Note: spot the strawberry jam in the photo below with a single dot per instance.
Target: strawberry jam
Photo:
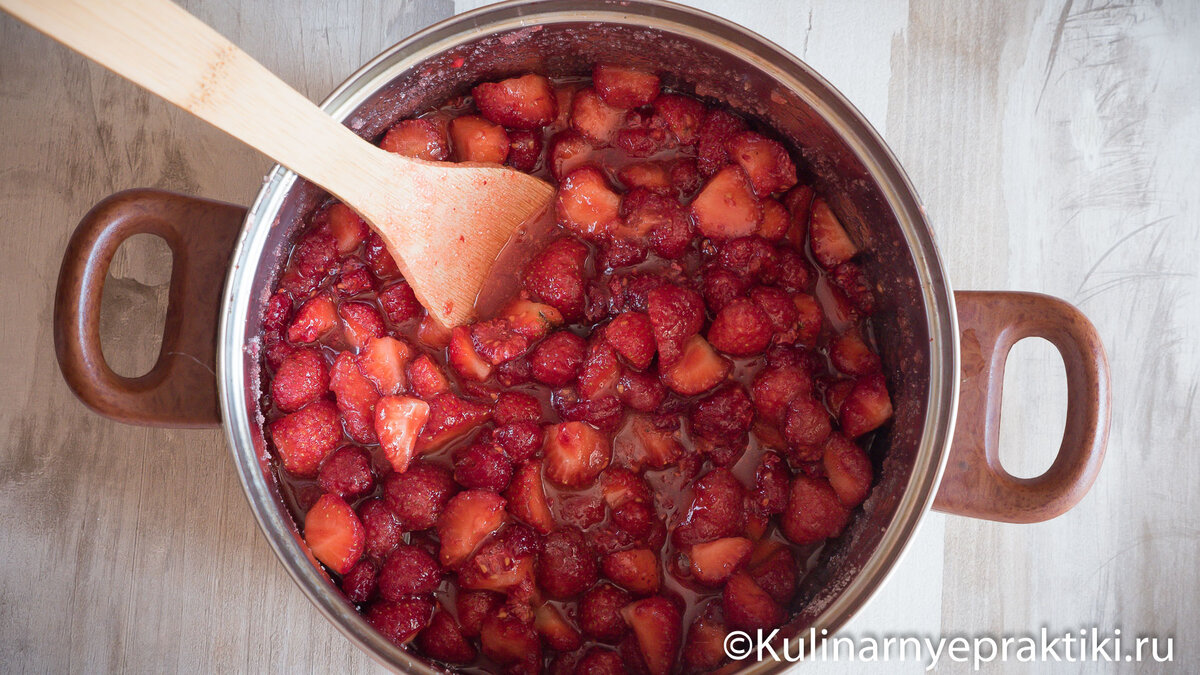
(647, 442)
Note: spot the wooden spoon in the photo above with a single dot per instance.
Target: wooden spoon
(444, 223)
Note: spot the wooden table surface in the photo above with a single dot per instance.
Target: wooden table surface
(1055, 145)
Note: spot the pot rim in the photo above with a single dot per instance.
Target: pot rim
(785, 68)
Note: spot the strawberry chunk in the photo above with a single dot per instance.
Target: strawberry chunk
(408, 570)
(305, 437)
(600, 372)
(418, 496)
(398, 422)
(511, 642)
(748, 607)
(419, 138)
(554, 629)
(806, 424)
(740, 329)
(556, 276)
(637, 570)
(624, 87)
(432, 334)
(399, 302)
(724, 415)
(500, 566)
(524, 150)
(478, 140)
(427, 377)
(346, 472)
(641, 391)
(381, 527)
(726, 207)
(656, 448)
(575, 454)
(301, 379)
(765, 161)
(705, 646)
(450, 417)
(773, 568)
(349, 231)
(473, 607)
(657, 625)
(848, 469)
(400, 621)
(713, 562)
(632, 335)
(379, 259)
(360, 323)
(464, 358)
(676, 314)
(533, 320)
(775, 221)
(567, 564)
(525, 102)
(852, 356)
(698, 368)
(651, 176)
(809, 318)
(683, 116)
(866, 407)
(333, 533)
(482, 465)
(515, 406)
(315, 319)
(594, 118)
(771, 483)
(527, 497)
(382, 361)
(717, 510)
(356, 398)
(720, 287)
(831, 246)
(599, 615)
(852, 280)
(557, 360)
(469, 517)
(814, 511)
(586, 203)
(443, 640)
(716, 130)
(360, 582)
(354, 279)
(497, 341)
(568, 149)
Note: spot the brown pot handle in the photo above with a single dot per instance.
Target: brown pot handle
(974, 483)
(181, 389)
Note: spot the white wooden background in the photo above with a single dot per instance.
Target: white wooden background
(1055, 144)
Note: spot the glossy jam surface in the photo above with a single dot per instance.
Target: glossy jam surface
(646, 441)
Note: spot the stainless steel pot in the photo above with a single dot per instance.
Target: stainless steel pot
(920, 330)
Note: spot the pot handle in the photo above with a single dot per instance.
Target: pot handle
(181, 389)
(974, 483)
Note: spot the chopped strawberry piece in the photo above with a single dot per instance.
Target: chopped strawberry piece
(600, 372)
(683, 116)
(775, 387)
(632, 335)
(773, 568)
(519, 440)
(775, 221)
(525, 102)
(468, 518)
(724, 415)
(715, 561)
(379, 259)
(527, 498)
(450, 417)
(464, 358)
(685, 176)
(348, 230)
(831, 246)
(279, 308)
(726, 208)
(346, 472)
(509, 641)
(586, 203)
(651, 176)
(531, 319)
(852, 356)
(419, 138)
(400, 621)
(698, 369)
(771, 483)
(657, 625)
(809, 318)
(354, 279)
(515, 406)
(301, 379)
(849, 470)
(740, 329)
(852, 280)
(398, 422)
(624, 87)
(813, 512)
(778, 307)
(599, 615)
(656, 448)
(866, 407)
(556, 276)
(554, 629)
(619, 252)
(497, 341)
(557, 360)
(399, 302)
(575, 454)
(676, 314)
(383, 532)
(704, 649)
(408, 570)
(641, 391)
(643, 136)
(720, 287)
(356, 398)
(482, 465)
(806, 423)
(333, 533)
(765, 161)
(524, 150)
(567, 564)
(716, 130)
(427, 377)
(305, 437)
(314, 320)
(748, 607)
(473, 607)
(444, 640)
(750, 258)
(717, 510)
(418, 495)
(360, 323)
(637, 570)
(836, 393)
(360, 582)
(568, 149)
(478, 140)
(594, 118)
(497, 567)
(382, 361)
(314, 255)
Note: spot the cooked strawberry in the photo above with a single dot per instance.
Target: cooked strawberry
(740, 329)
(497, 341)
(771, 483)
(676, 314)
(519, 440)
(792, 271)
(464, 358)
(383, 531)
(777, 305)
(568, 149)
(354, 279)
(382, 361)
(682, 114)
(450, 417)
(726, 208)
(720, 287)
(314, 320)
(301, 379)
(556, 276)
(643, 135)
(618, 252)
(510, 642)
(713, 562)
(765, 161)
(356, 398)
(637, 570)
(704, 649)
(685, 177)
(527, 498)
(468, 518)
(748, 607)
(751, 258)
(656, 448)
(419, 495)
(657, 625)
(400, 621)
(836, 393)
(399, 302)
(594, 118)
(640, 391)
(473, 607)
(717, 510)
(497, 567)
(715, 131)
(806, 424)
(724, 415)
(809, 318)
(419, 138)
(444, 640)
(852, 356)
(852, 280)
(652, 176)
(477, 140)
(531, 319)
(698, 368)
(586, 203)
(333, 533)
(575, 454)
(600, 372)
(398, 422)
(279, 308)
(866, 407)
(482, 465)
(360, 323)
(831, 246)
(671, 237)
(524, 150)
(305, 437)
(798, 201)
(360, 582)
(379, 259)
(624, 87)
(813, 512)
(348, 230)
(557, 360)
(632, 335)
(775, 221)
(346, 472)
(599, 612)
(554, 629)
(773, 568)
(567, 564)
(408, 570)
(515, 406)
(525, 102)
(848, 469)
(315, 255)
(597, 661)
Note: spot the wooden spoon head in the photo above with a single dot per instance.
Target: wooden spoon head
(445, 224)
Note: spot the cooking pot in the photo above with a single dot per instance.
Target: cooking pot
(943, 352)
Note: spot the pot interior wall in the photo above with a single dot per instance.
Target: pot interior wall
(828, 163)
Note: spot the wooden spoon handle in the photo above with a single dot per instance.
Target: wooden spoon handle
(158, 45)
